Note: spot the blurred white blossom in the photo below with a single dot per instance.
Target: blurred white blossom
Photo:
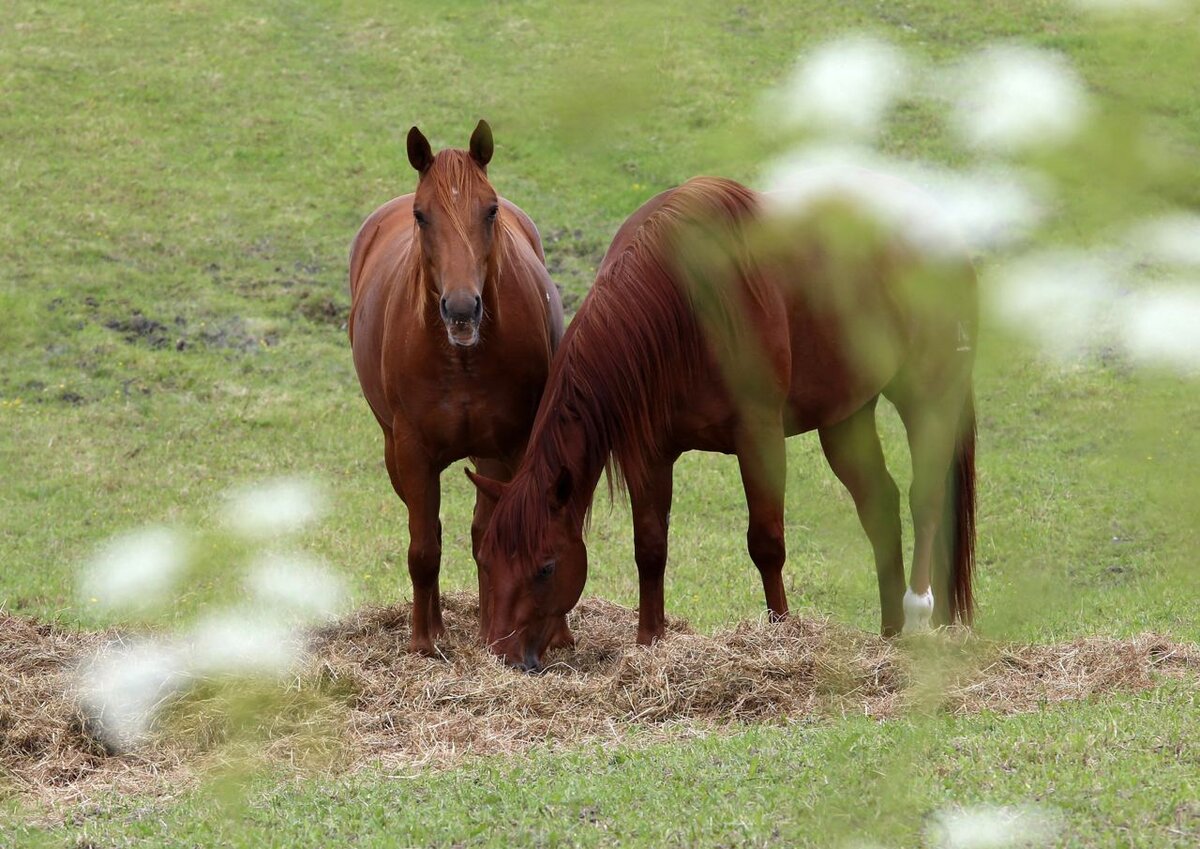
(298, 585)
(1063, 298)
(242, 642)
(1010, 98)
(121, 687)
(274, 508)
(936, 209)
(1173, 239)
(1163, 328)
(844, 86)
(136, 569)
(994, 827)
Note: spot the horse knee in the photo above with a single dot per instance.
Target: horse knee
(650, 554)
(767, 547)
(424, 560)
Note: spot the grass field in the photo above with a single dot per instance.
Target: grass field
(179, 184)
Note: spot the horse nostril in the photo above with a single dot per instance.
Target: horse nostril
(445, 309)
(478, 308)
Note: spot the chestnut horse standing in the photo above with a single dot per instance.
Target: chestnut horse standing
(453, 322)
(718, 324)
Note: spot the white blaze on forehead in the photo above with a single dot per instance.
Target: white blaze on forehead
(136, 569)
(844, 86)
(1010, 99)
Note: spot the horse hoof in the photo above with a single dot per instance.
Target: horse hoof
(422, 647)
(918, 612)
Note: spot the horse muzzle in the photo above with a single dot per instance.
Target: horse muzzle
(462, 314)
(522, 656)
(530, 664)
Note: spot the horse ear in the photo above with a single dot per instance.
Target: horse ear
(564, 485)
(420, 154)
(491, 489)
(481, 144)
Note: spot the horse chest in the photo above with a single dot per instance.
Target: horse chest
(461, 408)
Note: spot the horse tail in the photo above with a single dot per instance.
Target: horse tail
(959, 525)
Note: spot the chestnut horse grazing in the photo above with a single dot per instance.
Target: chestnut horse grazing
(453, 322)
(719, 322)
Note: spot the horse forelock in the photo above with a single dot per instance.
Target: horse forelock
(454, 177)
(633, 343)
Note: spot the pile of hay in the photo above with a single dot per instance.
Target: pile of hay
(362, 698)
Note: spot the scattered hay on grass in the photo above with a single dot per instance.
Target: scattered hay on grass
(361, 698)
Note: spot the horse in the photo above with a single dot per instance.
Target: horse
(453, 323)
(722, 321)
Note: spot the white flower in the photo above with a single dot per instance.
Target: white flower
(1173, 239)
(298, 584)
(1163, 328)
(136, 569)
(273, 508)
(1010, 99)
(123, 685)
(844, 86)
(994, 827)
(937, 210)
(242, 642)
(1062, 298)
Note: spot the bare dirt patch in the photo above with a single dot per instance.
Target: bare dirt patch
(367, 700)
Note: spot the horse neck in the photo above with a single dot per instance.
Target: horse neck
(565, 436)
(501, 276)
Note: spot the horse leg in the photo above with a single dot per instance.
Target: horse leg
(419, 486)
(496, 470)
(856, 457)
(651, 505)
(762, 460)
(932, 439)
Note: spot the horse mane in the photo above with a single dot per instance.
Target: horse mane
(454, 171)
(638, 336)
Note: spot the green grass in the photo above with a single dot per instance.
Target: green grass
(179, 184)
(1119, 771)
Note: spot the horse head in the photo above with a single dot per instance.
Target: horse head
(456, 212)
(536, 561)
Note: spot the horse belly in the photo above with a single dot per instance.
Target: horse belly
(841, 359)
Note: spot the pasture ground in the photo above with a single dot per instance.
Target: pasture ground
(178, 187)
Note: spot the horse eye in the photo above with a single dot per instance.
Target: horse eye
(492, 212)
(546, 570)
(420, 218)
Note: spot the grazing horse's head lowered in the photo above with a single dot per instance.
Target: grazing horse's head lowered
(456, 212)
(533, 588)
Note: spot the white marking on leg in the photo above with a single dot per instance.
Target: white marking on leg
(918, 611)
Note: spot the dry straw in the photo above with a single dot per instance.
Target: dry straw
(361, 698)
